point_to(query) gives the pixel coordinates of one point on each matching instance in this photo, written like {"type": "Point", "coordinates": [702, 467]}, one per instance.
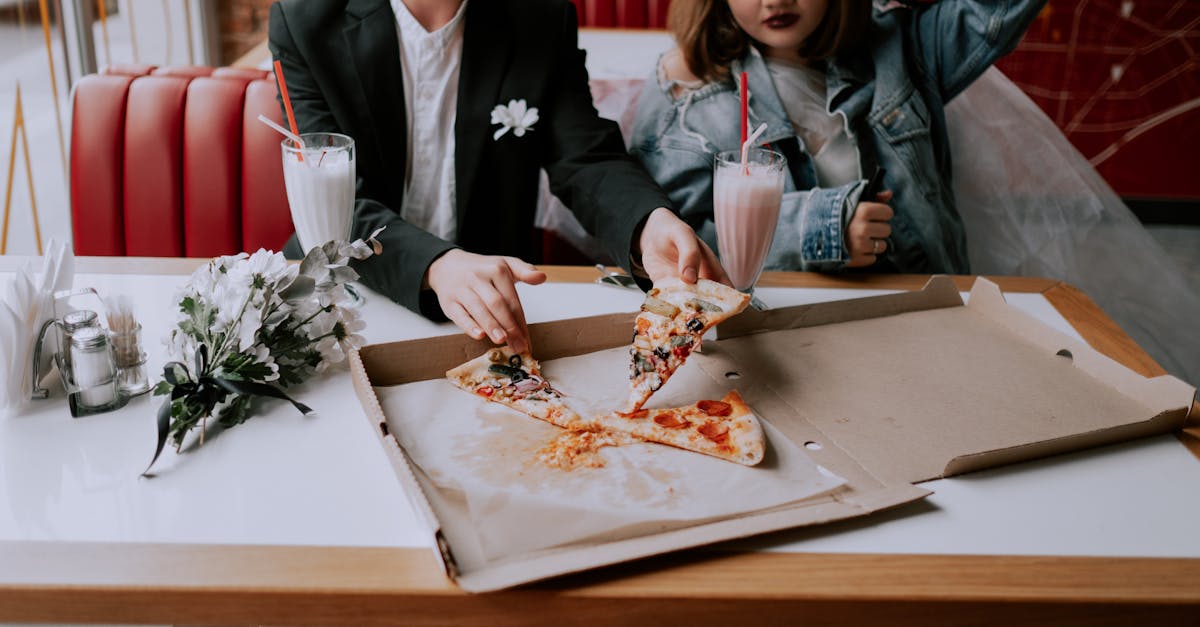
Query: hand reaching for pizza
{"type": "Point", "coordinates": [671, 249]}
{"type": "Point", "coordinates": [478, 293]}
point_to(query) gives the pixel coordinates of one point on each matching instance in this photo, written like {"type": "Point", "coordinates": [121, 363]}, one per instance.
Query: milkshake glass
{"type": "Point", "coordinates": [746, 201]}
{"type": "Point", "coordinates": [320, 187]}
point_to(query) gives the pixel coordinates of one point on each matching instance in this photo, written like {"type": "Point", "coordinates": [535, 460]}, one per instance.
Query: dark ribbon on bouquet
{"type": "Point", "coordinates": [210, 390]}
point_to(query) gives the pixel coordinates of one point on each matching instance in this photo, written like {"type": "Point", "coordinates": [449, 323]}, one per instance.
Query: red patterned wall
{"type": "Point", "coordinates": [1121, 78]}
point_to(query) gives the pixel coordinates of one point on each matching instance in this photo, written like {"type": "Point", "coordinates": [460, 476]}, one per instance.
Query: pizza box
{"type": "Point", "coordinates": [885, 391]}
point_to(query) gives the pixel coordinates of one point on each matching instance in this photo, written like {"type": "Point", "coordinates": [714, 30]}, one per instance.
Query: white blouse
{"type": "Point", "coordinates": [802, 91]}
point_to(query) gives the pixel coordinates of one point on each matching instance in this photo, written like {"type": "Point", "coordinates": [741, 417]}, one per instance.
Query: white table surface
{"type": "Point", "coordinates": [284, 479]}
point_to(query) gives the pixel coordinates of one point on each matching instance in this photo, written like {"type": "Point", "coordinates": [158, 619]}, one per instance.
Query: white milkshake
{"type": "Point", "coordinates": [746, 203]}
{"type": "Point", "coordinates": [320, 187]}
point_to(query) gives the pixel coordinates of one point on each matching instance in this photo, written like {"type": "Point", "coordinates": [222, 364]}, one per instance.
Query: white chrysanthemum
{"type": "Point", "coordinates": [262, 355]}
{"type": "Point", "coordinates": [202, 281]}
{"type": "Point", "coordinates": [263, 270]}
{"type": "Point", "coordinates": [180, 346]}
{"type": "Point", "coordinates": [338, 333]}
{"type": "Point", "coordinates": [229, 297]}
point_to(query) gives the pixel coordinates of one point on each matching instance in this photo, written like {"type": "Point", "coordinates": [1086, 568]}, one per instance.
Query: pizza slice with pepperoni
{"type": "Point", "coordinates": [726, 429]}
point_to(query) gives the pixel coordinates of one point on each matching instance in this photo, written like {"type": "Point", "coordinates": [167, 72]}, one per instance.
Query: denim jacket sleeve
{"type": "Point", "coordinates": [957, 40]}
{"type": "Point", "coordinates": [810, 234]}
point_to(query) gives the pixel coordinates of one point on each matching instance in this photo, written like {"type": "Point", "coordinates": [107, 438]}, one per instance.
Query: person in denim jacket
{"type": "Point", "coordinates": [843, 90]}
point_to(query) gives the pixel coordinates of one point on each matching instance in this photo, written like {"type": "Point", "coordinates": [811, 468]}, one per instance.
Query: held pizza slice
{"type": "Point", "coordinates": [726, 428]}
{"type": "Point", "coordinates": [674, 317]}
{"type": "Point", "coordinates": [502, 376]}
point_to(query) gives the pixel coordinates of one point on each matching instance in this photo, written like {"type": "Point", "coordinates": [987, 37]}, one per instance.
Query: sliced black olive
{"type": "Point", "coordinates": [515, 361]}
{"type": "Point", "coordinates": [695, 325]}
{"type": "Point", "coordinates": [661, 352]}
{"type": "Point", "coordinates": [515, 374]}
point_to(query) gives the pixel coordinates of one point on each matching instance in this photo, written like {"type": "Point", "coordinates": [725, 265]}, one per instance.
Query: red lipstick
{"type": "Point", "coordinates": [781, 20]}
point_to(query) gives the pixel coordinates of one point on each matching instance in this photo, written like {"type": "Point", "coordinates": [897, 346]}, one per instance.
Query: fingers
{"type": "Point", "coordinates": [884, 196]}
{"type": "Point", "coordinates": [877, 230]}
{"type": "Point", "coordinates": [670, 248]}
{"type": "Point", "coordinates": [525, 272]}
{"type": "Point", "coordinates": [459, 316]}
{"type": "Point", "coordinates": [689, 259]}
{"type": "Point", "coordinates": [866, 236]}
{"type": "Point", "coordinates": [505, 306]}
{"type": "Point", "coordinates": [873, 211]}
{"type": "Point", "coordinates": [478, 293]}
{"type": "Point", "coordinates": [710, 266]}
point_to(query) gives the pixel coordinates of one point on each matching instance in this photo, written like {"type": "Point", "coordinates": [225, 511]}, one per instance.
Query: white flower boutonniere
{"type": "Point", "coordinates": [517, 117]}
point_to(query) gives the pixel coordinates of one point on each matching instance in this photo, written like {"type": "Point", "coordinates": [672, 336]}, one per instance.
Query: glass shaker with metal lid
{"type": "Point", "coordinates": [93, 369]}
{"type": "Point", "coordinates": [72, 322]}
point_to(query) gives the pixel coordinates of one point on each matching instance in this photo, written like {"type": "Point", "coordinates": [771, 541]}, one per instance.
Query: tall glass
{"type": "Point", "coordinates": [746, 201]}
{"type": "Point", "coordinates": [320, 187]}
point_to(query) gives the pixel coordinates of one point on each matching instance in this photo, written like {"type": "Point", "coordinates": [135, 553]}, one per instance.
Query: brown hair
{"type": "Point", "coordinates": [710, 40]}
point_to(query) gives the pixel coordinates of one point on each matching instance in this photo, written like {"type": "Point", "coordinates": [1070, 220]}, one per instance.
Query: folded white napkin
{"type": "Point", "coordinates": [27, 305]}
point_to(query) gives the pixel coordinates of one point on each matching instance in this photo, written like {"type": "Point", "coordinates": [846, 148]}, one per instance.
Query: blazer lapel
{"type": "Point", "coordinates": [486, 49]}
{"type": "Point", "coordinates": [370, 36]}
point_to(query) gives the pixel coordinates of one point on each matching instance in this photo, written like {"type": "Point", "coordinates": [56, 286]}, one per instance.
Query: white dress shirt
{"type": "Point", "coordinates": [430, 64]}
{"type": "Point", "coordinates": [802, 90]}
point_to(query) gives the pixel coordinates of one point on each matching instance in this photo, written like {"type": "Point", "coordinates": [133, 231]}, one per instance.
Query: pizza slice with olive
{"type": "Point", "coordinates": [515, 380]}
{"type": "Point", "coordinates": [727, 428]}
{"type": "Point", "coordinates": [675, 315]}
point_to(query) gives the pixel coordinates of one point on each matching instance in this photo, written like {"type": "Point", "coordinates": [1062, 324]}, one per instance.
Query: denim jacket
{"type": "Point", "coordinates": [891, 97]}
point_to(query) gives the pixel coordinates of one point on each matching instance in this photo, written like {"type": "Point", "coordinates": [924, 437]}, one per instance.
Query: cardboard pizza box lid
{"type": "Point", "coordinates": [892, 390]}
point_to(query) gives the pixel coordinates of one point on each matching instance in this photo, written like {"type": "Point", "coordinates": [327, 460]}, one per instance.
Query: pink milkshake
{"type": "Point", "coordinates": [746, 202]}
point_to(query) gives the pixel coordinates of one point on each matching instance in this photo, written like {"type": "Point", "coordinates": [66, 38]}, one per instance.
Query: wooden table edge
{"type": "Point", "coordinates": [359, 585]}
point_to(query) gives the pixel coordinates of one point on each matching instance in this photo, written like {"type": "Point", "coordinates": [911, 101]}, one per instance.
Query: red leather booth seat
{"type": "Point", "coordinates": [623, 13]}
{"type": "Point", "coordinates": [172, 161]}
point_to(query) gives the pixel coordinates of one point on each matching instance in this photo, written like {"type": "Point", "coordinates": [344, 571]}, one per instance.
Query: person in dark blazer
{"type": "Point", "coordinates": [439, 98]}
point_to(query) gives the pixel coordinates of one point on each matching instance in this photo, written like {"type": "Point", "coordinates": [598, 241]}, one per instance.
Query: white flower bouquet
{"type": "Point", "coordinates": [250, 325]}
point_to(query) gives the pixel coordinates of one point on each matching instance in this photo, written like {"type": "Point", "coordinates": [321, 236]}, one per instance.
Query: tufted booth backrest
{"type": "Point", "coordinates": [172, 161]}
{"type": "Point", "coordinates": [623, 13]}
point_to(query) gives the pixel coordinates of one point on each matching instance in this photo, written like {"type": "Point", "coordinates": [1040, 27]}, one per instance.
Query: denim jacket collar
{"type": "Point", "coordinates": [764, 105]}
{"type": "Point", "coordinates": [844, 77]}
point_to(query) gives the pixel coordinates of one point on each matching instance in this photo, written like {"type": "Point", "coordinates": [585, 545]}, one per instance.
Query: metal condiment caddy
{"type": "Point", "coordinates": [83, 352]}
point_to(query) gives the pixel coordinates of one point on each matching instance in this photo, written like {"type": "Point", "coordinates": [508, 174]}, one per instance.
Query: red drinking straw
{"type": "Point", "coordinates": [287, 102]}
{"type": "Point", "coordinates": [745, 108]}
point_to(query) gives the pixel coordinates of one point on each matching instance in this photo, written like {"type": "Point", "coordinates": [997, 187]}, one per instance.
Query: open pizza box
{"type": "Point", "coordinates": [881, 392]}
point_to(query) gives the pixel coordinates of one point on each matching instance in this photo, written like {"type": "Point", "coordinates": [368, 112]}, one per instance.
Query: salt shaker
{"type": "Point", "coordinates": [93, 369]}
{"type": "Point", "coordinates": [72, 322]}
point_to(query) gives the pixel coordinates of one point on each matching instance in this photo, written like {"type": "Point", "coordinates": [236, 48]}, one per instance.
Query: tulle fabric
{"type": "Point", "coordinates": [1034, 206]}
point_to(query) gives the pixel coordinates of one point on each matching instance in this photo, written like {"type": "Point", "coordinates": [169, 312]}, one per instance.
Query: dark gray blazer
{"type": "Point", "coordinates": [341, 62]}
